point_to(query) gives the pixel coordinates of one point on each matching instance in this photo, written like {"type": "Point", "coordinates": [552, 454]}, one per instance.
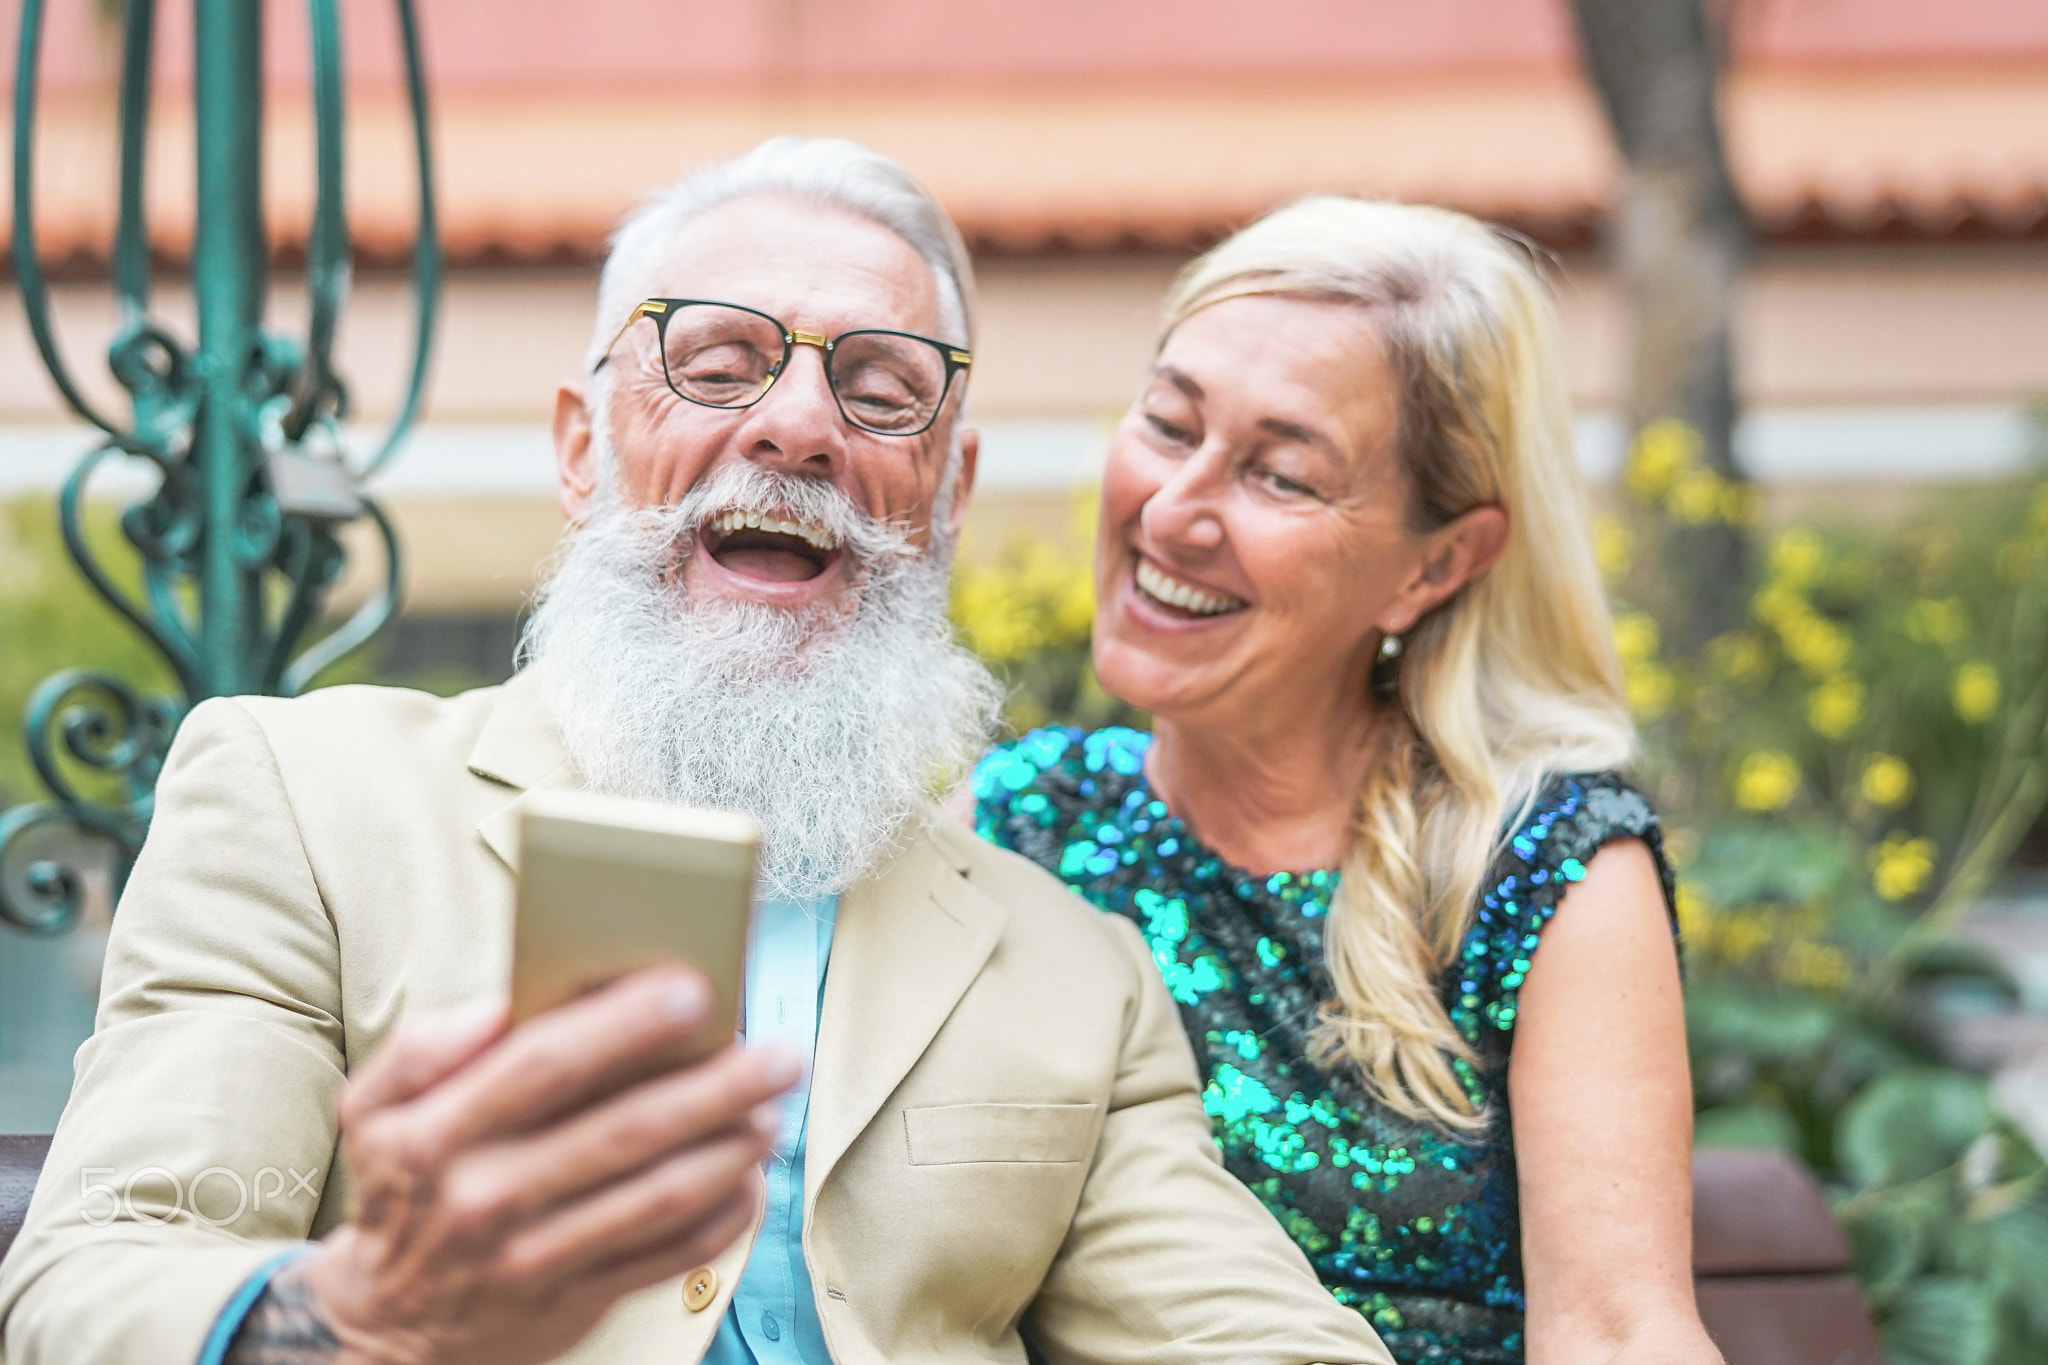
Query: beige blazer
{"type": "Point", "coordinates": [1005, 1126]}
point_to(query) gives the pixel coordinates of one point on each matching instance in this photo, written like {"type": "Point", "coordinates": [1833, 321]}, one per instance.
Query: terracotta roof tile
{"type": "Point", "coordinates": [1929, 152]}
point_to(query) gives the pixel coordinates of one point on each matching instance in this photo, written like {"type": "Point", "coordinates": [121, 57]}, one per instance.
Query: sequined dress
{"type": "Point", "coordinates": [1418, 1231]}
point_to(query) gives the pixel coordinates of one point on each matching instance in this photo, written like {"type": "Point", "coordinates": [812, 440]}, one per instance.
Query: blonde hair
{"type": "Point", "coordinates": [1513, 678]}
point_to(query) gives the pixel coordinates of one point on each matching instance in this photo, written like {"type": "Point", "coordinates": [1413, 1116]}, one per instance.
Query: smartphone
{"type": "Point", "coordinates": [607, 886]}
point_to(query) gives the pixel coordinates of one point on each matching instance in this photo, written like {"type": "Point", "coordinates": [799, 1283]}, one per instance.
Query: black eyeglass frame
{"type": "Point", "coordinates": [956, 359]}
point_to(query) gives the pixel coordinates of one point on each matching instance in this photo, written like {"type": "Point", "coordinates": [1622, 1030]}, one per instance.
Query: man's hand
{"type": "Point", "coordinates": [510, 1187]}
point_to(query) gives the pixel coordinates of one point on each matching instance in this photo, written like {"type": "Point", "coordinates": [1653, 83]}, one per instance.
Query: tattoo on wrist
{"type": "Point", "coordinates": [284, 1327]}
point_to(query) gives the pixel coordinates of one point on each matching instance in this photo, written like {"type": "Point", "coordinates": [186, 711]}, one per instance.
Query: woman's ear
{"type": "Point", "coordinates": [1471, 545]}
{"type": "Point", "coordinates": [1453, 555]}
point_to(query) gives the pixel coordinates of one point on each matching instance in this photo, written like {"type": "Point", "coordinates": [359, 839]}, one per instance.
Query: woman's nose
{"type": "Point", "coordinates": [1182, 511]}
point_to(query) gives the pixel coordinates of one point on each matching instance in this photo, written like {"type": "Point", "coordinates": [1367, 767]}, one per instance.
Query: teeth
{"type": "Point", "coordinates": [1175, 593]}
{"type": "Point", "coordinates": [728, 522]}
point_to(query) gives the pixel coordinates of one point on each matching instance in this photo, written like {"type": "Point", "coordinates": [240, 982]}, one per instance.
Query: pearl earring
{"type": "Point", "coordinates": [1390, 646]}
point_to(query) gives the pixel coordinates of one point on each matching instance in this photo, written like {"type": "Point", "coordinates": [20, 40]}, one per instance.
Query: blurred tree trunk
{"type": "Point", "coordinates": [1678, 242]}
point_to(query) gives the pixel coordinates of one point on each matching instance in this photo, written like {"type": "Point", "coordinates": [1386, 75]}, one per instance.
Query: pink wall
{"type": "Point", "coordinates": [597, 44]}
{"type": "Point", "coordinates": [1846, 31]}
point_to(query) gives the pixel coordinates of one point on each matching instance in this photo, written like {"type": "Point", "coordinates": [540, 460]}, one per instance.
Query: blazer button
{"type": "Point", "coordinates": [700, 1287]}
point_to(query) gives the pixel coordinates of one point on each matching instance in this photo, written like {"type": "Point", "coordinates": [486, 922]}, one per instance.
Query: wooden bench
{"type": "Point", "coordinates": [1772, 1268]}
{"type": "Point", "coordinates": [21, 1160]}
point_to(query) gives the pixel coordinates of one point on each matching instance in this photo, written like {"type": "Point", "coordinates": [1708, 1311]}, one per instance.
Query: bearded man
{"type": "Point", "coordinates": [1000, 1138]}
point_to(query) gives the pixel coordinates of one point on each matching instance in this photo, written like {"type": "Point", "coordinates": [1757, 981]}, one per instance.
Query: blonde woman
{"type": "Point", "coordinates": [1419, 930]}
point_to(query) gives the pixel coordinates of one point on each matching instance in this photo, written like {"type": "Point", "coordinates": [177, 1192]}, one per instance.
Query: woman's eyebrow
{"type": "Point", "coordinates": [1181, 380]}
{"type": "Point", "coordinates": [1302, 435]}
{"type": "Point", "coordinates": [1278, 427]}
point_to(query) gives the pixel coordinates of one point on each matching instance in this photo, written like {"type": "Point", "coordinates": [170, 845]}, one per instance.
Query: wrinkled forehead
{"type": "Point", "coordinates": [813, 267]}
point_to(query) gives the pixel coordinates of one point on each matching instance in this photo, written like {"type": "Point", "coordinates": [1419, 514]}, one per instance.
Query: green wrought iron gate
{"type": "Point", "coordinates": [240, 543]}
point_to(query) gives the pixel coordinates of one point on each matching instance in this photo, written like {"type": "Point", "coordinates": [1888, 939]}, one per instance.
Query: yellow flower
{"type": "Point", "coordinates": [1815, 966]}
{"type": "Point", "coordinates": [1613, 546]}
{"type": "Point", "coordinates": [1074, 609]}
{"type": "Point", "coordinates": [1777, 604]}
{"type": "Point", "coordinates": [1887, 781]}
{"type": "Point", "coordinates": [1766, 780]}
{"type": "Point", "coordinates": [1695, 498]}
{"type": "Point", "coordinates": [1741, 504]}
{"type": "Point", "coordinates": [994, 620]}
{"type": "Point", "coordinates": [1635, 636]}
{"type": "Point", "coordinates": [1798, 558]}
{"type": "Point", "coordinates": [1695, 914]}
{"type": "Point", "coordinates": [1815, 643]}
{"type": "Point", "coordinates": [1648, 688]}
{"type": "Point", "coordinates": [1901, 865]}
{"type": "Point", "coordinates": [1083, 514]}
{"type": "Point", "coordinates": [1942, 621]}
{"type": "Point", "coordinates": [1663, 450]}
{"type": "Point", "coordinates": [1741, 935]}
{"type": "Point", "coordinates": [1739, 656]}
{"type": "Point", "coordinates": [1835, 706]}
{"type": "Point", "coordinates": [1976, 692]}
{"type": "Point", "coordinates": [1039, 595]}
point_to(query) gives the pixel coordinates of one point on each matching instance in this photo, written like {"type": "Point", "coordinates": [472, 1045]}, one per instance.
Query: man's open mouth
{"type": "Point", "coordinates": [771, 548]}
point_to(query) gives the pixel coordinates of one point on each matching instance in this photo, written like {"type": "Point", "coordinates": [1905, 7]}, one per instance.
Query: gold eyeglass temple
{"type": "Point", "coordinates": [640, 310]}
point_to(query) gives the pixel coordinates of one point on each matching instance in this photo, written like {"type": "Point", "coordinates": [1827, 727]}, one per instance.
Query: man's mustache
{"type": "Point", "coordinates": [750, 490]}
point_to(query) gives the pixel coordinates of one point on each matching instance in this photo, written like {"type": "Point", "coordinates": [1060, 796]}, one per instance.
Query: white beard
{"type": "Point", "coordinates": [833, 727]}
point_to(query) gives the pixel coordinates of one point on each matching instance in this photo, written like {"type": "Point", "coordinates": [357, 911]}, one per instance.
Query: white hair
{"type": "Point", "coordinates": [833, 726]}
{"type": "Point", "coordinates": [829, 171]}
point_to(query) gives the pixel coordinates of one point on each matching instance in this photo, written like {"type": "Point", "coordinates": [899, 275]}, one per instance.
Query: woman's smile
{"type": "Point", "coordinates": [1254, 517]}
{"type": "Point", "coordinates": [1180, 597]}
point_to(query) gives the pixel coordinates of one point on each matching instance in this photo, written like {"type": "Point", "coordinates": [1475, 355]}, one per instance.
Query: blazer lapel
{"type": "Point", "coordinates": [520, 749]}
{"type": "Point", "coordinates": [909, 943]}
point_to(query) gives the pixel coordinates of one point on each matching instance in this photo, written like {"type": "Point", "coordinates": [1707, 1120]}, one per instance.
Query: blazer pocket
{"type": "Point", "coordinates": [955, 1134]}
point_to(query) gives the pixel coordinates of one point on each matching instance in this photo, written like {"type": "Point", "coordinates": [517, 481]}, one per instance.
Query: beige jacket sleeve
{"type": "Point", "coordinates": [1167, 1246]}
{"type": "Point", "coordinates": [199, 1134]}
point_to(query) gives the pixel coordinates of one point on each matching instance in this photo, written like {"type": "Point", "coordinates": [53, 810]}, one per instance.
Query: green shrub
{"type": "Point", "coordinates": [1028, 614]}
{"type": "Point", "coordinates": [50, 619]}
{"type": "Point", "coordinates": [1844, 777]}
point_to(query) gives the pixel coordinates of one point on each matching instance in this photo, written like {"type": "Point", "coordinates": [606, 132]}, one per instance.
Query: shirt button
{"type": "Point", "coordinates": [700, 1287]}
{"type": "Point", "coordinates": [770, 1328]}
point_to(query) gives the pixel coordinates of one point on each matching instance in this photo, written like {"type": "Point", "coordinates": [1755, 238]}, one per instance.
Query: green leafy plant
{"type": "Point", "coordinates": [50, 619]}
{"type": "Point", "coordinates": [1028, 611]}
{"type": "Point", "coordinates": [1845, 776]}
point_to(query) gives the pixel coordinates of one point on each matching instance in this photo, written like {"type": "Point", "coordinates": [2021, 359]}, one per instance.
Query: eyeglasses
{"type": "Point", "coordinates": [721, 355]}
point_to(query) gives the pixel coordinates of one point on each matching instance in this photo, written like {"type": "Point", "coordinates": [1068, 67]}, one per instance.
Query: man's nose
{"type": "Point", "coordinates": [797, 424]}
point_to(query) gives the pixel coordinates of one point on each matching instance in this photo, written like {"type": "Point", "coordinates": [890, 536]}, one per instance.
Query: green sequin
{"type": "Point", "coordinates": [1417, 1231]}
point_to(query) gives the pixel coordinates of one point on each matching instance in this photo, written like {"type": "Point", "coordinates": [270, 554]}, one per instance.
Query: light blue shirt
{"type": "Point", "coordinates": [773, 1318]}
